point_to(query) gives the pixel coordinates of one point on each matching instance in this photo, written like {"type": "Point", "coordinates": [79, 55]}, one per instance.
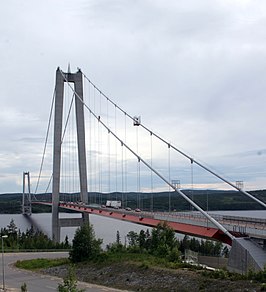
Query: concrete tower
{"type": "Point", "coordinates": [61, 78]}
{"type": "Point", "coordinates": [26, 198]}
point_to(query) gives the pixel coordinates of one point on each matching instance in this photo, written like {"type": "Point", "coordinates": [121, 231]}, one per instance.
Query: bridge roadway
{"type": "Point", "coordinates": [190, 223]}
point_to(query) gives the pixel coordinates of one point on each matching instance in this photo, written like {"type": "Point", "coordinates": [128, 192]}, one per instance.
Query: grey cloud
{"type": "Point", "coordinates": [193, 70]}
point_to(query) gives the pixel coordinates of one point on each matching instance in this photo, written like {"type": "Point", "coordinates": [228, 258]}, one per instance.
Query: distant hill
{"type": "Point", "coordinates": [10, 203]}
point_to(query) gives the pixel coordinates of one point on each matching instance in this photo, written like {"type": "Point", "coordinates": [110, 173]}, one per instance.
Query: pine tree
{"type": "Point", "coordinates": [12, 228]}
{"type": "Point", "coordinates": [118, 239]}
{"type": "Point", "coordinates": [85, 246]}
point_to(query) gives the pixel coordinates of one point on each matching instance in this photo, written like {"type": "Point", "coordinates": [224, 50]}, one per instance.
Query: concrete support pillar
{"type": "Point", "coordinates": [81, 137]}
{"type": "Point", "coordinates": [58, 119]}
{"type": "Point", "coordinates": [76, 78]}
{"type": "Point", "coordinates": [26, 197]}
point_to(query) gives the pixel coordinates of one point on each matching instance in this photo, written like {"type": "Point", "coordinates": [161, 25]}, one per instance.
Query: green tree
{"type": "Point", "coordinates": [118, 238]}
{"type": "Point", "coordinates": [205, 247]}
{"type": "Point", "coordinates": [160, 242]}
{"type": "Point", "coordinates": [184, 244]}
{"type": "Point", "coordinates": [225, 252]}
{"type": "Point", "coordinates": [148, 239]}
{"type": "Point", "coordinates": [117, 245]}
{"type": "Point", "coordinates": [132, 237]}
{"type": "Point", "coordinates": [12, 228]}
{"type": "Point", "coordinates": [163, 240]}
{"type": "Point", "coordinates": [85, 246]}
{"type": "Point", "coordinates": [66, 243]}
{"type": "Point", "coordinates": [174, 255]}
{"type": "Point", "coordinates": [142, 239]}
{"type": "Point", "coordinates": [217, 250]}
{"type": "Point", "coordinates": [12, 231]}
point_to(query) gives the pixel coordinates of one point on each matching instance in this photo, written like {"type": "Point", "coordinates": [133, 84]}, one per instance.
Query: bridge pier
{"type": "Point", "coordinates": [26, 196]}
{"type": "Point", "coordinates": [246, 255]}
{"type": "Point", "coordinates": [72, 222]}
{"type": "Point", "coordinates": [61, 78]}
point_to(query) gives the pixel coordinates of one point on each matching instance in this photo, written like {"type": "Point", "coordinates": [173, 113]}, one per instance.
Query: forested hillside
{"type": "Point", "coordinates": [207, 199]}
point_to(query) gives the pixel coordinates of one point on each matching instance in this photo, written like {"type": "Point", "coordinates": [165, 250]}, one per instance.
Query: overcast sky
{"type": "Point", "coordinates": [195, 71]}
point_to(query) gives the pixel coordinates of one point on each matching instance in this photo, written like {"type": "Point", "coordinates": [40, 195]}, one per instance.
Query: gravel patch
{"type": "Point", "coordinates": [136, 277]}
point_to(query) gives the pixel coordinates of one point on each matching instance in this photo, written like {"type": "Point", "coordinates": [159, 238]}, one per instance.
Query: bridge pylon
{"type": "Point", "coordinates": [61, 78]}
{"type": "Point", "coordinates": [26, 196]}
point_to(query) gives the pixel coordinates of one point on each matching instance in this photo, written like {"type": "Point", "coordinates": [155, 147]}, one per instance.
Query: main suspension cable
{"type": "Point", "coordinates": [178, 150]}
{"type": "Point", "coordinates": [45, 143]}
{"type": "Point", "coordinates": [67, 119]}
{"type": "Point", "coordinates": [216, 223]}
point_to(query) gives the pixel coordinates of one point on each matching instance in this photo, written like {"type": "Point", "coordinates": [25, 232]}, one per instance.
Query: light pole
{"type": "Point", "coordinates": [3, 265]}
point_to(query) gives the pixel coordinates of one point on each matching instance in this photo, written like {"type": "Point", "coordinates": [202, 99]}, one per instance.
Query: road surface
{"type": "Point", "coordinates": [35, 282]}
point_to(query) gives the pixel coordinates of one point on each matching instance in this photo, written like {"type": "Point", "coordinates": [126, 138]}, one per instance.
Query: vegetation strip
{"type": "Point", "coordinates": [152, 261]}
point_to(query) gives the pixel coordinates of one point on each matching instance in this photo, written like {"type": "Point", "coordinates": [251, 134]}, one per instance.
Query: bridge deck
{"type": "Point", "coordinates": [198, 228]}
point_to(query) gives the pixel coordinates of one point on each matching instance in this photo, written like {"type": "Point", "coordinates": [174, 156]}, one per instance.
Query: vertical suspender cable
{"type": "Point", "coordinates": [192, 183]}
{"type": "Point", "coordinates": [122, 174]}
{"type": "Point", "coordinates": [94, 148]}
{"type": "Point", "coordinates": [99, 162]}
{"type": "Point", "coordinates": [69, 152]}
{"type": "Point", "coordinates": [108, 151]}
{"type": "Point", "coordinates": [97, 159]}
{"type": "Point", "coordinates": [90, 151]}
{"type": "Point", "coordinates": [63, 161]}
{"type": "Point", "coordinates": [138, 184]}
{"type": "Point", "coordinates": [73, 157]}
{"type": "Point", "coordinates": [68, 169]}
{"type": "Point", "coordinates": [100, 149]}
{"type": "Point", "coordinates": [169, 178]}
{"type": "Point", "coordinates": [151, 162]}
{"type": "Point", "coordinates": [109, 166]}
{"type": "Point", "coordinates": [125, 139]}
{"type": "Point", "coordinates": [116, 196]}
{"type": "Point", "coordinates": [99, 153]}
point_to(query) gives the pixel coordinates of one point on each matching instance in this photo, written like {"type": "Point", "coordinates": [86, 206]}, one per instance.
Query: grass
{"type": "Point", "coordinates": [41, 263]}
{"type": "Point", "coordinates": [143, 260]}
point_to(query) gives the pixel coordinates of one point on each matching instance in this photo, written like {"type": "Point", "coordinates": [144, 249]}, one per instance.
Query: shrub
{"type": "Point", "coordinates": [70, 282]}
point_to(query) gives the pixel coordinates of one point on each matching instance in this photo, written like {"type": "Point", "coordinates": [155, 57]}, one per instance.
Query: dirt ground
{"type": "Point", "coordinates": [134, 277]}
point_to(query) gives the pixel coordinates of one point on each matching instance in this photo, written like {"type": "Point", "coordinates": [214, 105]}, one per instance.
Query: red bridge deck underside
{"type": "Point", "coordinates": [139, 218]}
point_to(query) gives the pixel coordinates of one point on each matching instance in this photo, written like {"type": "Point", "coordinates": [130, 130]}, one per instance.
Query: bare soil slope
{"type": "Point", "coordinates": [139, 277]}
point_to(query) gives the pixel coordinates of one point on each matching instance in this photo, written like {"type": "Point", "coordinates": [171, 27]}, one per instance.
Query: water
{"type": "Point", "coordinates": [260, 214]}
{"type": "Point", "coordinates": [105, 228]}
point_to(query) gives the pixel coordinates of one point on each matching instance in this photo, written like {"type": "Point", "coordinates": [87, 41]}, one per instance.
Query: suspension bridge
{"type": "Point", "coordinates": [97, 152]}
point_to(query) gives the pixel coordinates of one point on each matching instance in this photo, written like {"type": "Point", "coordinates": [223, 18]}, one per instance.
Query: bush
{"type": "Point", "coordinates": [174, 255]}
{"type": "Point", "coordinates": [70, 282]}
{"type": "Point", "coordinates": [23, 287]}
{"type": "Point", "coordinates": [257, 276]}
